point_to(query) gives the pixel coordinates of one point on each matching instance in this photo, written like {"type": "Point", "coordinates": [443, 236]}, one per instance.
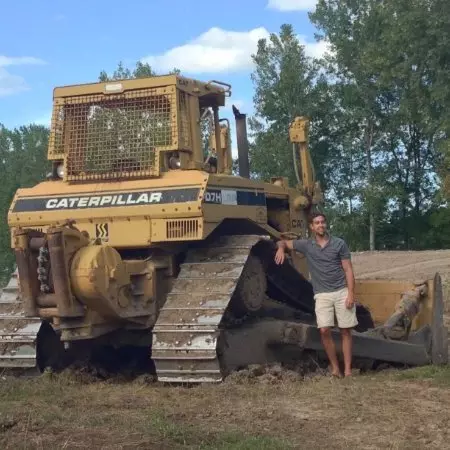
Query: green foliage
{"type": "Point", "coordinates": [141, 70]}
{"type": "Point", "coordinates": [391, 58]}
{"type": "Point", "coordinates": [379, 104]}
{"type": "Point", "coordinates": [23, 164]}
{"type": "Point", "coordinates": [287, 84]}
{"type": "Point", "coordinates": [437, 375]}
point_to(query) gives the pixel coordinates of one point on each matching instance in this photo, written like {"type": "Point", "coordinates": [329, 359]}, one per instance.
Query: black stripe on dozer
{"type": "Point", "coordinates": [108, 200]}
{"type": "Point", "coordinates": [140, 198]}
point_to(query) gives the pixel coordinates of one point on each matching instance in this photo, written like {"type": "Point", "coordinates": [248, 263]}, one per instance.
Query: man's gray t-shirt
{"type": "Point", "coordinates": [325, 266]}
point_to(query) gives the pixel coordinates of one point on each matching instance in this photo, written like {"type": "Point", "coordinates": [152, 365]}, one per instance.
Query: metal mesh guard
{"type": "Point", "coordinates": [115, 137]}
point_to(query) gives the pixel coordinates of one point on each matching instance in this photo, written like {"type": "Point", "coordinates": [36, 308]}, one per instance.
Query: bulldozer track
{"type": "Point", "coordinates": [18, 333]}
{"type": "Point", "coordinates": [186, 335]}
{"type": "Point", "coordinates": [187, 345]}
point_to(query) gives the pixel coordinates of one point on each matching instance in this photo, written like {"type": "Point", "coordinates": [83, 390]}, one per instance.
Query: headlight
{"type": "Point", "coordinates": [60, 170]}
{"type": "Point", "coordinates": [174, 162]}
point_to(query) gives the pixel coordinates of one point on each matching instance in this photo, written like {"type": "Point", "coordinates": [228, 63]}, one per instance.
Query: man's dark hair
{"type": "Point", "coordinates": [314, 215]}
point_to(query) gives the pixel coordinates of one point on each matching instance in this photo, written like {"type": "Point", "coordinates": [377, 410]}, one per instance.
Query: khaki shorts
{"type": "Point", "coordinates": [330, 303]}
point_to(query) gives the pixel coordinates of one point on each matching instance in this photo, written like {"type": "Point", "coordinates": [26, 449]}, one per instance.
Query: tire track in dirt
{"type": "Point", "coordinates": [401, 264]}
{"type": "Point", "coordinates": [427, 268]}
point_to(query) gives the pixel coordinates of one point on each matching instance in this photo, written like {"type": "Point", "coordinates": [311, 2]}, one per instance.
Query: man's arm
{"type": "Point", "coordinates": [284, 244]}
{"type": "Point", "coordinates": [349, 275]}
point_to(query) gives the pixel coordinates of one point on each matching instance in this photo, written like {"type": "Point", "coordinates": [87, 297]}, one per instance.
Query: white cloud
{"type": "Point", "coordinates": [314, 49]}
{"type": "Point", "coordinates": [292, 5]}
{"type": "Point", "coordinates": [10, 83]}
{"type": "Point", "coordinates": [20, 60]}
{"type": "Point", "coordinates": [216, 50]}
{"type": "Point", "coordinates": [219, 50]}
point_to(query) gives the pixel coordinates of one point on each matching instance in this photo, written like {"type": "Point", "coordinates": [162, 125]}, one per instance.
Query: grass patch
{"type": "Point", "coordinates": [51, 411]}
{"type": "Point", "coordinates": [189, 435]}
{"type": "Point", "coordinates": [437, 374]}
{"type": "Point", "coordinates": [363, 412]}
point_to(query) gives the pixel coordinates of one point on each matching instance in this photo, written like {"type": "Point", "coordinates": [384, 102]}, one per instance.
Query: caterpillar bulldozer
{"type": "Point", "coordinates": [144, 242]}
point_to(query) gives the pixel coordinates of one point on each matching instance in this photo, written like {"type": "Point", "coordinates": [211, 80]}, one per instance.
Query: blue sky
{"type": "Point", "coordinates": [48, 43]}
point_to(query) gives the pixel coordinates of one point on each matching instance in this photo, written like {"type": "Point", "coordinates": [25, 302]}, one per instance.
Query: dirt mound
{"type": "Point", "coordinates": [401, 264]}
{"type": "Point", "coordinates": [88, 373]}
{"type": "Point", "coordinates": [277, 373]}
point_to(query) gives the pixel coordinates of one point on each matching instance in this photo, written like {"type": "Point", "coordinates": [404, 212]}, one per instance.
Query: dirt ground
{"type": "Point", "coordinates": [391, 409]}
{"type": "Point", "coordinates": [397, 410]}
{"type": "Point", "coordinates": [401, 265]}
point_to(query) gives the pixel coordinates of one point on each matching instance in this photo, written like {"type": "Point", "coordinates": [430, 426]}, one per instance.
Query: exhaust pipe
{"type": "Point", "coordinates": [242, 143]}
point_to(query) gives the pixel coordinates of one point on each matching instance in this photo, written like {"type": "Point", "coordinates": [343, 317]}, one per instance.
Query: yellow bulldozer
{"type": "Point", "coordinates": [143, 244]}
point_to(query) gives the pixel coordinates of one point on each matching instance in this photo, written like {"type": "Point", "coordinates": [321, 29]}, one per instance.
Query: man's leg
{"type": "Point", "coordinates": [325, 321]}
{"type": "Point", "coordinates": [346, 334]}
{"type": "Point", "coordinates": [330, 349]}
{"type": "Point", "coordinates": [346, 321]}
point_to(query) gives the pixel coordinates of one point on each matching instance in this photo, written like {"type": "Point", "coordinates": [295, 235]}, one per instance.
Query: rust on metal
{"type": "Point", "coordinates": [48, 313]}
{"type": "Point", "coordinates": [28, 286]}
{"type": "Point", "coordinates": [47, 300]}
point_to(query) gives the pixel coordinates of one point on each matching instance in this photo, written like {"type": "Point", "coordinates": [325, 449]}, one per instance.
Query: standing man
{"type": "Point", "coordinates": [333, 283]}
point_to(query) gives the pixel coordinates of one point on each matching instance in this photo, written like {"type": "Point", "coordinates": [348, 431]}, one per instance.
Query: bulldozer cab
{"type": "Point", "coordinates": [139, 128]}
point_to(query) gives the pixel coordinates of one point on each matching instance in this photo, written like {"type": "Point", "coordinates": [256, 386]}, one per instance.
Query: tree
{"type": "Point", "coordinates": [288, 84]}
{"type": "Point", "coordinates": [384, 55]}
{"type": "Point", "coordinates": [142, 70]}
{"type": "Point", "coordinates": [23, 164]}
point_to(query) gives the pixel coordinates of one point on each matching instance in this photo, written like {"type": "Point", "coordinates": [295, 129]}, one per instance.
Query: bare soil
{"type": "Point", "coordinates": [264, 408]}
{"type": "Point", "coordinates": [397, 410]}
{"type": "Point", "coordinates": [401, 265]}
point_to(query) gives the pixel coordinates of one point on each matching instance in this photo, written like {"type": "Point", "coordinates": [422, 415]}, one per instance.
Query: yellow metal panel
{"type": "Point", "coordinates": [379, 287]}
{"type": "Point", "coordinates": [217, 213]}
{"type": "Point", "coordinates": [114, 86]}
{"type": "Point", "coordinates": [381, 306]}
{"type": "Point", "coordinates": [173, 179]}
{"type": "Point", "coordinates": [120, 233]}
{"type": "Point", "coordinates": [382, 296]}
{"type": "Point", "coordinates": [182, 229]}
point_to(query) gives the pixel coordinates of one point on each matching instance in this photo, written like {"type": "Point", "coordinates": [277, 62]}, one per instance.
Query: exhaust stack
{"type": "Point", "coordinates": [242, 143]}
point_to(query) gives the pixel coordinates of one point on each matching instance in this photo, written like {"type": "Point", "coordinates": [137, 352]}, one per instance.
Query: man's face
{"type": "Point", "coordinates": [319, 226]}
